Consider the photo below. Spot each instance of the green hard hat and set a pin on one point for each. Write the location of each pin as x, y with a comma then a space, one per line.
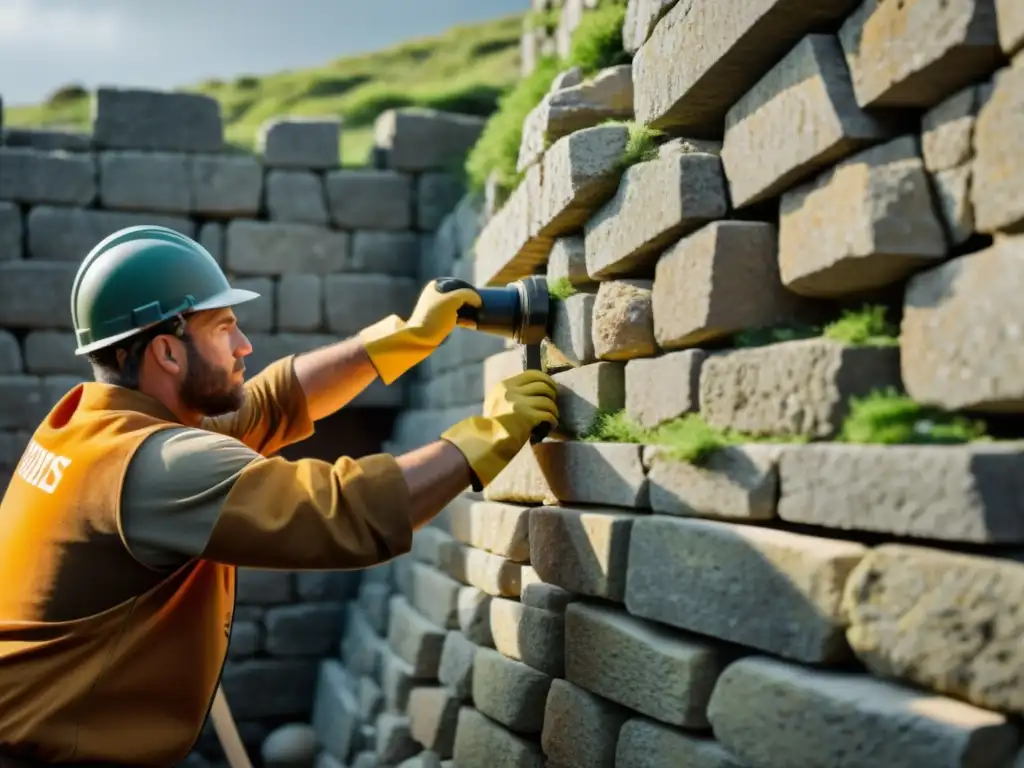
140, 276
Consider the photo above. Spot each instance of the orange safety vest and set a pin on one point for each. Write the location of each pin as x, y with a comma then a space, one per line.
101, 657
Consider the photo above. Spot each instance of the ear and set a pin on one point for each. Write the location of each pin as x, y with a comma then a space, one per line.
167, 355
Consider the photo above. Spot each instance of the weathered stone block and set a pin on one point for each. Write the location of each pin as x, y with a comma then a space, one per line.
60, 233
437, 194
352, 302
272, 248
528, 634
957, 348
794, 388
641, 18
51, 352
335, 716
270, 688
582, 551
312, 629
434, 595
585, 392
509, 692
11, 231
623, 320
915, 54
369, 199
211, 237
433, 714
575, 109
394, 739
536, 594
571, 336
417, 139
294, 195
593, 473
650, 669
580, 173
1010, 15
225, 185
763, 155
373, 600
24, 402
490, 573
522, 481
300, 142
953, 202
156, 121
657, 202
300, 302
796, 580
11, 360
660, 389
34, 294
49, 140
414, 639
327, 586
388, 253
961, 610
702, 57
428, 544
502, 529
362, 650
33, 176
866, 223
568, 261
398, 678
256, 316
997, 192
259, 587
145, 181
738, 482
644, 743
456, 668
481, 741
580, 729
772, 714
475, 615
947, 130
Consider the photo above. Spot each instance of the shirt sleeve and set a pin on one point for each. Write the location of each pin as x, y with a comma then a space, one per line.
274, 414
190, 493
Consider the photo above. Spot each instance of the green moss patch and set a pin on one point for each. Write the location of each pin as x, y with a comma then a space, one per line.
561, 289
887, 417
866, 326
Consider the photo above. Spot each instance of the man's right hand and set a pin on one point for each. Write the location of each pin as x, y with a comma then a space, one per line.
511, 410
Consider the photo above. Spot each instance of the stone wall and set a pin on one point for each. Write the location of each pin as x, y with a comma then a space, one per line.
778, 552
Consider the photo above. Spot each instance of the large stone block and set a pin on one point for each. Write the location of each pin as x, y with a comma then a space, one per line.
593, 473
583, 551
585, 392
34, 294
1011, 35
434, 594
11, 232
145, 181
777, 715
571, 337
793, 580
383, 252
363, 650
225, 185
335, 716
641, 18
274, 248
11, 360
640, 665
481, 741
394, 741
657, 202
522, 481
810, 87
369, 199
256, 316
397, 679
414, 639
300, 302
295, 195
798, 388
580, 729
659, 389
49, 140
418, 139
433, 715
352, 302
866, 223
24, 401
456, 668
914, 54
270, 688
722, 279
211, 237
154, 121
580, 172
509, 692
60, 233
532, 635
623, 320
957, 347
961, 611
492, 574
738, 482
33, 176
502, 529
644, 743
703, 56
947, 130
53, 352
997, 191
437, 194
300, 142
568, 261
310, 629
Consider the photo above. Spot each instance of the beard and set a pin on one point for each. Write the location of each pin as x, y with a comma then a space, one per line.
210, 390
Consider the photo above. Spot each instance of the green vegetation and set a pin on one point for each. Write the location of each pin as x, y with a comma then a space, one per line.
887, 417
466, 69
561, 289
866, 326
642, 144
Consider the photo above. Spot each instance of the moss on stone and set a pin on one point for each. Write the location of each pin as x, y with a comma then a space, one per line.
888, 417
561, 289
866, 326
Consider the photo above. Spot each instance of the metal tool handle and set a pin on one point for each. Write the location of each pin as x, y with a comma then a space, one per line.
466, 312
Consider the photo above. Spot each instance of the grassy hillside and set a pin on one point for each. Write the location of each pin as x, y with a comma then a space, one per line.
464, 70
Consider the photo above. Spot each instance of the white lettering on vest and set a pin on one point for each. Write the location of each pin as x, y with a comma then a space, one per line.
41, 468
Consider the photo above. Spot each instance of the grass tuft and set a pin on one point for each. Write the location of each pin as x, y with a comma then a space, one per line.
561, 289
887, 417
868, 326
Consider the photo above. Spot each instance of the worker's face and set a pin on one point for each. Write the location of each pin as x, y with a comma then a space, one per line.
215, 378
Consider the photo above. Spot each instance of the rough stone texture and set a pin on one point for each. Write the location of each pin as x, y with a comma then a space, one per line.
947, 130
762, 153
580, 729
722, 279
266, 248
61, 233
1010, 15
299, 301
660, 389
502, 529
521, 482
776, 715
47, 139
866, 223
953, 200
623, 320
295, 195
582, 551
593, 473
509, 692
353, 302
795, 579
998, 144
571, 324
223, 185
300, 142
456, 667
59, 178
437, 194
489, 573
414, 639
335, 714
960, 352
702, 57
434, 595
738, 482
585, 392
580, 172
657, 202
641, 18
917, 53
606, 96
35, 294
647, 668
481, 741
940, 620
794, 388
529, 634
145, 181
647, 744
568, 261
154, 121
417, 139
369, 199
433, 714
389, 253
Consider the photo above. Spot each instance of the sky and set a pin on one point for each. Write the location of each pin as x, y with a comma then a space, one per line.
45, 44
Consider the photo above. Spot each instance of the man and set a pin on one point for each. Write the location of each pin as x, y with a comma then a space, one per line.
140, 492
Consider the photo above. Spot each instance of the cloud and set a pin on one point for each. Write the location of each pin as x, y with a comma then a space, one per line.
35, 24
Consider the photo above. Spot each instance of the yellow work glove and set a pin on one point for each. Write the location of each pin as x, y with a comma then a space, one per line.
395, 345
511, 411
